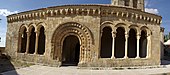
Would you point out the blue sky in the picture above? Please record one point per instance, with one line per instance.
(160, 7)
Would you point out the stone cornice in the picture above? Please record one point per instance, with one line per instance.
(91, 10)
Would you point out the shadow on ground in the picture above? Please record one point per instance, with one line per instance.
(6, 65)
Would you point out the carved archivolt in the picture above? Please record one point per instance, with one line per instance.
(64, 30)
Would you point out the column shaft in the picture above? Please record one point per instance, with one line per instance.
(28, 41)
(138, 38)
(126, 45)
(36, 43)
(148, 47)
(113, 44)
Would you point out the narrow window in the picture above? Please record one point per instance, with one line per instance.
(143, 45)
(23, 43)
(132, 44)
(106, 43)
(41, 41)
(126, 2)
(120, 43)
(32, 41)
(135, 3)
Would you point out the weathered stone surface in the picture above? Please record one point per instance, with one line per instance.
(86, 22)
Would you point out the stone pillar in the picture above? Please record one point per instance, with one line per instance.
(36, 43)
(148, 46)
(28, 41)
(126, 44)
(100, 47)
(20, 41)
(113, 44)
(131, 3)
(138, 38)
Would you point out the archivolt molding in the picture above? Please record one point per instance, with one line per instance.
(123, 26)
(21, 29)
(136, 28)
(83, 33)
(32, 25)
(126, 27)
(39, 25)
(147, 30)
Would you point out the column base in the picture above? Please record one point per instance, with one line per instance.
(112, 57)
(125, 57)
(137, 57)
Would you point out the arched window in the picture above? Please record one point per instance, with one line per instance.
(120, 43)
(23, 38)
(106, 43)
(135, 3)
(143, 44)
(126, 2)
(32, 41)
(132, 44)
(41, 41)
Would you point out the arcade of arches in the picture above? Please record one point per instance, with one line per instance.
(120, 44)
(31, 40)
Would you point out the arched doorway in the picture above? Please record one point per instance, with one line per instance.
(70, 51)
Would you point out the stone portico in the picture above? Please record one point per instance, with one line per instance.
(86, 35)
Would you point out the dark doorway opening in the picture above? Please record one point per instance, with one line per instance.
(71, 51)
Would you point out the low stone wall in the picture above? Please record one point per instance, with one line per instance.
(2, 49)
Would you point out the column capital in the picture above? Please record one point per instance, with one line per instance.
(28, 33)
(126, 34)
(37, 33)
(148, 34)
(138, 36)
(101, 32)
(113, 34)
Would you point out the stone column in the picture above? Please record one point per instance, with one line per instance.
(126, 44)
(138, 38)
(36, 43)
(28, 41)
(148, 46)
(113, 44)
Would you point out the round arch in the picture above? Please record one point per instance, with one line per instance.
(123, 26)
(22, 38)
(41, 24)
(136, 28)
(71, 28)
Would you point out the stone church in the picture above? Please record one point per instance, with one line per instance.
(120, 34)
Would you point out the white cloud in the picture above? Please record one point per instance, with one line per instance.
(151, 10)
(5, 12)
